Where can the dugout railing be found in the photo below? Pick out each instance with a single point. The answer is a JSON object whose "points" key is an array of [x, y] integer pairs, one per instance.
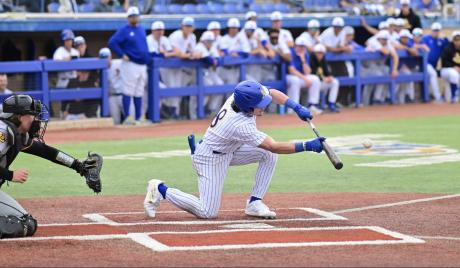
{"points": [[357, 58], [199, 89], [47, 94]]}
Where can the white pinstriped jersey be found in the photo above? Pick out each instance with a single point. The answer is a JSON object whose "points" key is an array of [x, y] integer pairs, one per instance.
{"points": [[230, 130]]}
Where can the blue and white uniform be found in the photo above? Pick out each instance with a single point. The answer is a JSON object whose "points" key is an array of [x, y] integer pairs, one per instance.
{"points": [[436, 46], [130, 40], [231, 140]]}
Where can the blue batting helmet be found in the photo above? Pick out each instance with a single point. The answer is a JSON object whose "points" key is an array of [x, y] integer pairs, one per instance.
{"points": [[67, 34], [251, 94]]}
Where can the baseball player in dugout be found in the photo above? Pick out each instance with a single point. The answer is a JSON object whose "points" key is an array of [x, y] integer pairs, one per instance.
{"points": [[233, 139], [22, 127]]}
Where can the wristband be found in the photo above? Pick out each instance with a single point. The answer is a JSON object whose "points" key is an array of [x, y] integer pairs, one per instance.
{"points": [[291, 104], [299, 147]]}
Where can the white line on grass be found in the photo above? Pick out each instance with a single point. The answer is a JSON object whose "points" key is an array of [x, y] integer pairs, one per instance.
{"points": [[402, 203]]}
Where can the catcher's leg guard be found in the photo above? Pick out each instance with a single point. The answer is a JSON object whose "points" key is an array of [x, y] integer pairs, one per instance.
{"points": [[11, 227], [30, 223]]}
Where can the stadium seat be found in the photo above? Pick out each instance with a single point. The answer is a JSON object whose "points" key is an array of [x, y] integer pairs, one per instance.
{"points": [[268, 8], [282, 7], [216, 8], [53, 7], [257, 8], [203, 9], [175, 9], [230, 8], [86, 8], [159, 9], [189, 9]]}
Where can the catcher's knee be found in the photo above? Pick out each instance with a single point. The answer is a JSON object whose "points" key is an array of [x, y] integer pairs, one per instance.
{"points": [[13, 227]]}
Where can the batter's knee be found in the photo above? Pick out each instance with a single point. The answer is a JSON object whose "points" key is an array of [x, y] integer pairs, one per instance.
{"points": [[207, 214], [270, 157]]}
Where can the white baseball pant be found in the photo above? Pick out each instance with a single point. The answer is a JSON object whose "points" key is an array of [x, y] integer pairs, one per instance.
{"points": [[134, 78], [450, 76], [296, 84], [212, 170], [433, 76], [380, 90], [405, 89], [333, 88]]}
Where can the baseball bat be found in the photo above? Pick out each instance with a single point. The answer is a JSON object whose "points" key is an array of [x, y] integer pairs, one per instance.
{"points": [[191, 143], [335, 160]]}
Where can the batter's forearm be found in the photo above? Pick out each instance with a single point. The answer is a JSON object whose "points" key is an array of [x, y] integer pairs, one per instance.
{"points": [[278, 97]]}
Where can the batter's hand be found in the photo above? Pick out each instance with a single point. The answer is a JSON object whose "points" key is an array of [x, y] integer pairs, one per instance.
{"points": [[303, 113], [20, 175], [315, 145]]}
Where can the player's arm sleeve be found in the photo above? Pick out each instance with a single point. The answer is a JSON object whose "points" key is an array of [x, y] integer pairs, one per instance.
{"points": [[250, 135], [115, 41], [52, 154]]}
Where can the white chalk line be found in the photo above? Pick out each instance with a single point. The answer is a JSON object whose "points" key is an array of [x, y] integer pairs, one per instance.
{"points": [[402, 203], [147, 241], [325, 216], [437, 237], [402, 239]]}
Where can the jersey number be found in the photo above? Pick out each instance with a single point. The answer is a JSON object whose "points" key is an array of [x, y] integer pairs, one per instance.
{"points": [[218, 117]]}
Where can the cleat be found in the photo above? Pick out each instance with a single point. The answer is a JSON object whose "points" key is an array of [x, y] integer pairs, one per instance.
{"points": [[260, 210], [152, 198]]}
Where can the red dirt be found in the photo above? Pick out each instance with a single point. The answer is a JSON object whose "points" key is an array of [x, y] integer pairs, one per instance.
{"points": [[414, 219], [248, 237], [183, 128], [436, 218]]}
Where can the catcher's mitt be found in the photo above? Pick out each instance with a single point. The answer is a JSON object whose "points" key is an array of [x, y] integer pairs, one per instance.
{"points": [[91, 169]]}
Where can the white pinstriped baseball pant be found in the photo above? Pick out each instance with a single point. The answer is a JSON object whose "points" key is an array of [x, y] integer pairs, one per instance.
{"points": [[212, 170]]}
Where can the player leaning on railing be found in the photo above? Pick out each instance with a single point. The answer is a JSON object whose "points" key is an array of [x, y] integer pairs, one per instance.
{"points": [[21, 130]]}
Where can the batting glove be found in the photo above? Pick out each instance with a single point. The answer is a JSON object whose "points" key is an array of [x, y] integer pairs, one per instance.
{"points": [[315, 145], [300, 110]]}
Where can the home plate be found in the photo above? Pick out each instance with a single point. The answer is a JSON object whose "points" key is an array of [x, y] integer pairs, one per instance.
{"points": [[256, 225]]}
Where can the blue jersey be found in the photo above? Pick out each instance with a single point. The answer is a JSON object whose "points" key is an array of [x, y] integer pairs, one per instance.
{"points": [[296, 62], [131, 41], [436, 46]]}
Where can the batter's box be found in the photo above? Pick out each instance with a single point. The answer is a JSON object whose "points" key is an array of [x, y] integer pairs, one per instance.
{"points": [[225, 217], [271, 238]]}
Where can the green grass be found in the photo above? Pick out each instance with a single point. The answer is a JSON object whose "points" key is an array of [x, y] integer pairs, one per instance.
{"points": [[303, 172]]}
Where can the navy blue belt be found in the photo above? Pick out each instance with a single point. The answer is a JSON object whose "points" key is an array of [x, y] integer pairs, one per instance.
{"points": [[214, 152]]}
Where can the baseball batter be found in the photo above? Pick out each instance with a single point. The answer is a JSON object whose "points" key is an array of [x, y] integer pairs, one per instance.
{"points": [[233, 139], [22, 126]]}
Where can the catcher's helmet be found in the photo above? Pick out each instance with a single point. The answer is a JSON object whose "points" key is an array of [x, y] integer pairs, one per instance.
{"points": [[251, 94], [22, 104], [67, 34]]}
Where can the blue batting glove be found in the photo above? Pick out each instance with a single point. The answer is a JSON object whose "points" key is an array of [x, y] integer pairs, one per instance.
{"points": [[315, 145], [301, 111]]}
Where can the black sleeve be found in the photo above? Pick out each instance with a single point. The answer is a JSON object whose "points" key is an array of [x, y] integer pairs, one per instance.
{"points": [[6, 174], [446, 57], [417, 22], [325, 67], [52, 154]]}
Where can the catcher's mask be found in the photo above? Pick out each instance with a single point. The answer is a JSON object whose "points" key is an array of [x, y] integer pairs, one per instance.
{"points": [[25, 104]]}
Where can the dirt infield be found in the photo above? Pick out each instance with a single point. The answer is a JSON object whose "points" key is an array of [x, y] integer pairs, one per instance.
{"points": [[168, 129], [312, 229], [331, 229]]}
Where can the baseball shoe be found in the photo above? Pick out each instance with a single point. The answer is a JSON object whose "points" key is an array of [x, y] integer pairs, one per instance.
{"points": [[315, 110], [259, 209], [152, 198], [333, 108]]}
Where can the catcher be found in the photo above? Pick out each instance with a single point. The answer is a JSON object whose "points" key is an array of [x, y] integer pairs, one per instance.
{"points": [[22, 126]]}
